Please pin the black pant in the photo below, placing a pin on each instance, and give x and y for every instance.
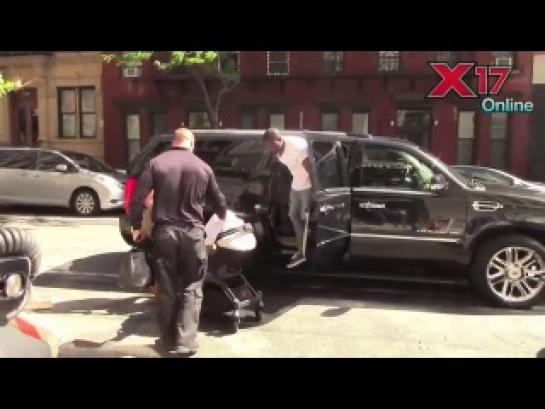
(180, 260)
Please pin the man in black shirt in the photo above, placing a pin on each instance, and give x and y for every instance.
(182, 185)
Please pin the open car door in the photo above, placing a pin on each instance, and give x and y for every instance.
(333, 200)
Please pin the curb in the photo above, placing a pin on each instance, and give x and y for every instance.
(24, 323)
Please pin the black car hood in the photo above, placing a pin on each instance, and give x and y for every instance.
(523, 194)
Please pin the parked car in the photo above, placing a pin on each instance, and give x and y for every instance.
(19, 264)
(45, 177)
(379, 198)
(491, 176)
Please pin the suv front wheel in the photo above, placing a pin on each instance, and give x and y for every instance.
(504, 271)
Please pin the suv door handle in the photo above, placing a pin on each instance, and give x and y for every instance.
(325, 209)
(372, 205)
(486, 206)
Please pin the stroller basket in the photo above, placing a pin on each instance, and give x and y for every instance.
(227, 291)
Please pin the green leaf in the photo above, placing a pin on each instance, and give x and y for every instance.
(6, 86)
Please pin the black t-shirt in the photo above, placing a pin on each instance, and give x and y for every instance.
(183, 184)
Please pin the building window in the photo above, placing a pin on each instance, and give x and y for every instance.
(229, 61)
(498, 140)
(466, 137)
(332, 62)
(248, 120)
(360, 123)
(388, 61)
(503, 58)
(132, 123)
(278, 62)
(330, 121)
(450, 57)
(159, 123)
(77, 112)
(276, 120)
(198, 120)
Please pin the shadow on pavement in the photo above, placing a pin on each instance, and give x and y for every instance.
(99, 273)
(141, 320)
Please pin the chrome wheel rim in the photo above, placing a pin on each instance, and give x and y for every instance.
(511, 274)
(85, 203)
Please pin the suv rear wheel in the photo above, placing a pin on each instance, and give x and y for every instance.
(504, 271)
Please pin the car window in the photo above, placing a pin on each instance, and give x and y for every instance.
(16, 159)
(243, 157)
(140, 161)
(88, 162)
(320, 149)
(487, 177)
(328, 165)
(47, 161)
(209, 150)
(387, 167)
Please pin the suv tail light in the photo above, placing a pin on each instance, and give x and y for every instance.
(130, 188)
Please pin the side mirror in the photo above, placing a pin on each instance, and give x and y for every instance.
(61, 168)
(439, 183)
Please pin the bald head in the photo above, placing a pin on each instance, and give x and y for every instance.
(183, 138)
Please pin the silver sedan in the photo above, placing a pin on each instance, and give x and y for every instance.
(44, 177)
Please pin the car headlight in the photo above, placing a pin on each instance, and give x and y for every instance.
(110, 182)
(14, 286)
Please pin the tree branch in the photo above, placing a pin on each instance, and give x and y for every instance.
(212, 116)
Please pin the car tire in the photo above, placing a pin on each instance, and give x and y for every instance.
(17, 242)
(85, 203)
(503, 279)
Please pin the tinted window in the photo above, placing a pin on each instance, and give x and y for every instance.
(386, 167)
(209, 150)
(243, 157)
(328, 164)
(14, 159)
(137, 165)
(320, 149)
(47, 161)
(486, 177)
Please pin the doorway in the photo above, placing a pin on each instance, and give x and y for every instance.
(24, 117)
(414, 125)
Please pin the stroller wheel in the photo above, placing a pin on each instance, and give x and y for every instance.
(258, 314)
(234, 325)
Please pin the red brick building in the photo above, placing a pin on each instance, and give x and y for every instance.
(382, 93)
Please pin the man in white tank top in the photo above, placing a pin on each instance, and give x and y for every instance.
(292, 151)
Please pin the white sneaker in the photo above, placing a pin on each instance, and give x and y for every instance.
(296, 262)
(295, 255)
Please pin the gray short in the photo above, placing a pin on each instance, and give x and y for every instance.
(300, 203)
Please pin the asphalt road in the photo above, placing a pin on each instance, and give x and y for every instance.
(303, 317)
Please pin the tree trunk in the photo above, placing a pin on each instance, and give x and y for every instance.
(211, 111)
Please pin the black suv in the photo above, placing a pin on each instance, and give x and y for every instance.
(380, 198)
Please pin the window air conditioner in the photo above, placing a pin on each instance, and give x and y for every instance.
(132, 72)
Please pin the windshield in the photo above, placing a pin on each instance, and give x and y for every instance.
(484, 176)
(90, 163)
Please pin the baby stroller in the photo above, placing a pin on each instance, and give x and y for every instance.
(226, 291)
